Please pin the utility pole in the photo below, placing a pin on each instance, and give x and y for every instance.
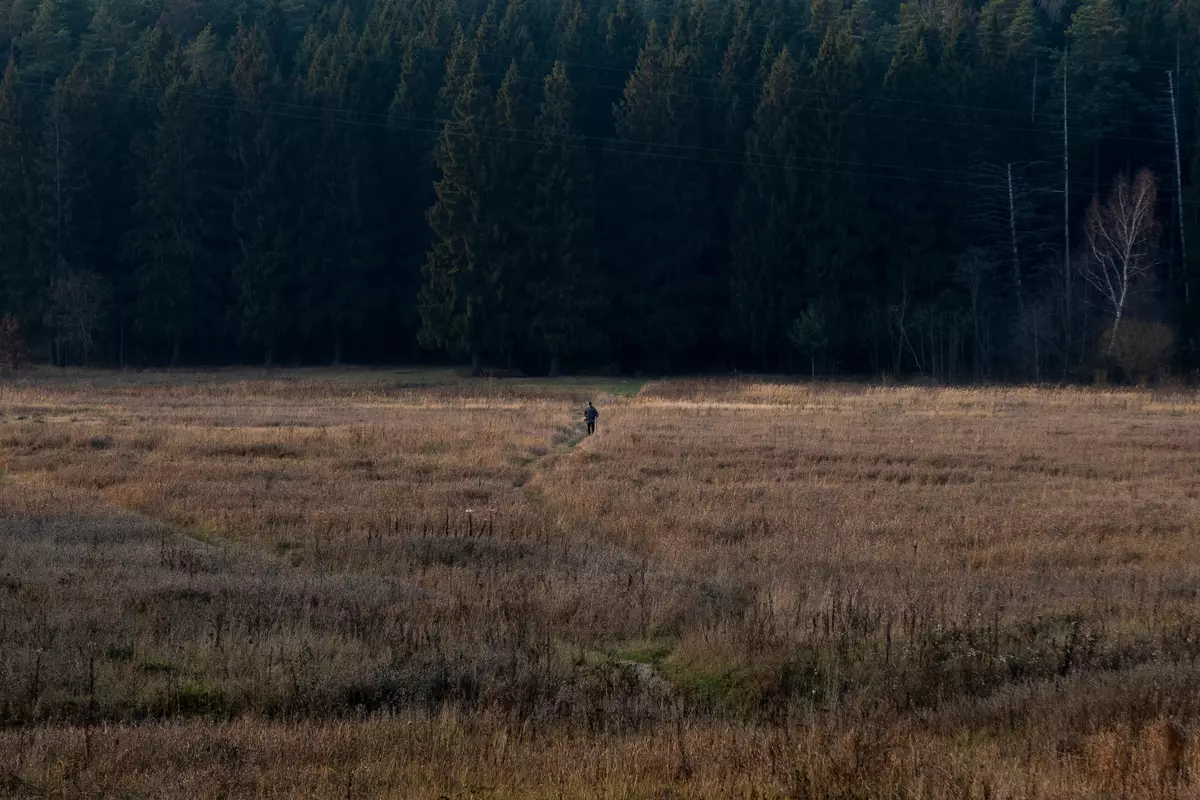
(1187, 289)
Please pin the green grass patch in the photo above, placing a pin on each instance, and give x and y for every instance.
(202, 532)
(157, 666)
(716, 686)
(740, 686)
(652, 652)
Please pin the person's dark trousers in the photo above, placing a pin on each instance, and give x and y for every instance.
(591, 428)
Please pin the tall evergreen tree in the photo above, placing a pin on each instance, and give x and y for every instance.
(265, 285)
(519, 30)
(462, 300)
(571, 31)
(24, 268)
(658, 207)
(46, 48)
(564, 290)
(337, 247)
(766, 272)
(177, 247)
(1099, 78)
(505, 207)
(624, 31)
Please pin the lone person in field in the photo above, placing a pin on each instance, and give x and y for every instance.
(590, 416)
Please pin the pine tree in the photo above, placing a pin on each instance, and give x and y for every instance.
(1099, 81)
(624, 31)
(336, 251)
(658, 208)
(177, 247)
(564, 291)
(734, 93)
(767, 265)
(407, 191)
(519, 31)
(912, 259)
(46, 48)
(462, 299)
(264, 217)
(571, 31)
(94, 157)
(505, 207)
(486, 34)
(458, 61)
(1022, 35)
(389, 28)
(62, 170)
(833, 212)
(204, 59)
(165, 247)
(23, 260)
(110, 36)
(19, 21)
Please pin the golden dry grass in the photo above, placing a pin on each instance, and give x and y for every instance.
(417, 585)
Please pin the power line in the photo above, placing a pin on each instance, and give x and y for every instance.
(756, 87)
(610, 145)
(715, 79)
(841, 112)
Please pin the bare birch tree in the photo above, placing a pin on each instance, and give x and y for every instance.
(1122, 236)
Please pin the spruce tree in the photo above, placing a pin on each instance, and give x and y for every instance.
(833, 213)
(565, 292)
(735, 97)
(486, 33)
(519, 31)
(657, 209)
(624, 31)
(23, 260)
(571, 31)
(1099, 78)
(458, 61)
(178, 247)
(505, 207)
(463, 293)
(263, 211)
(18, 21)
(334, 264)
(46, 48)
(407, 189)
(766, 272)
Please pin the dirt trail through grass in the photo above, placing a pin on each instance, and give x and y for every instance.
(570, 436)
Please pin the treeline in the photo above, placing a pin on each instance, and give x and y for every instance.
(546, 184)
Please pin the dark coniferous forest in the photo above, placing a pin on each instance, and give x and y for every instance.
(998, 190)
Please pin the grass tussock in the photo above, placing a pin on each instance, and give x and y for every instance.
(738, 588)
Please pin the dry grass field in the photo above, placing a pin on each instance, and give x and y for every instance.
(405, 584)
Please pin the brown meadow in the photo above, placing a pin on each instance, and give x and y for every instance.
(404, 584)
